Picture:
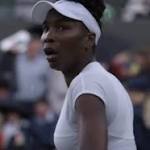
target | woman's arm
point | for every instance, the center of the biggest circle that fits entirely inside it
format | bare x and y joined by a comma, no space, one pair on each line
92,122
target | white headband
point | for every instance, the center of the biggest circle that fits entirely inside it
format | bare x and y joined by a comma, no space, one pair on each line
69,9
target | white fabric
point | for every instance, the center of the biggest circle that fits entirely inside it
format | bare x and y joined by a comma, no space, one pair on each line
96,80
69,9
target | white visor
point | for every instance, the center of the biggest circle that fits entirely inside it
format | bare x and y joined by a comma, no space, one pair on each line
69,9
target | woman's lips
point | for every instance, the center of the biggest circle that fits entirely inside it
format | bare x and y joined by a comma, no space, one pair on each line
49,51
51,54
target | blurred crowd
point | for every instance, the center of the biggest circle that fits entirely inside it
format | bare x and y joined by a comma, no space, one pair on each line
136,9
31,93
133,69
127,10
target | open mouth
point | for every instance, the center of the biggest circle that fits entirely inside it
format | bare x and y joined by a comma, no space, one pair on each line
51,57
49,51
51,54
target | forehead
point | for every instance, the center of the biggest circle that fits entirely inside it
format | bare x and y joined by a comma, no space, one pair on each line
55,18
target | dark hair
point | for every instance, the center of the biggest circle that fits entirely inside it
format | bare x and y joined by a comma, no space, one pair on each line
95,7
35,31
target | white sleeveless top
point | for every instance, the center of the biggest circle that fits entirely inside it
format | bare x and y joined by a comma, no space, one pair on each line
94,79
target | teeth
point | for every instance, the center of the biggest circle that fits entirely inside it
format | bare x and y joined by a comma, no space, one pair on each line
51,56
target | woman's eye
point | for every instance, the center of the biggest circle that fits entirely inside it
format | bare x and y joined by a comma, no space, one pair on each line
60,28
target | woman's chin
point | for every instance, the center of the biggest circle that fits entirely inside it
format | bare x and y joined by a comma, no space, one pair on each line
54,66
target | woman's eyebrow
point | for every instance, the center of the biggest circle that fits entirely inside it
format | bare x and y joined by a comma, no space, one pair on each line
60,20
65,20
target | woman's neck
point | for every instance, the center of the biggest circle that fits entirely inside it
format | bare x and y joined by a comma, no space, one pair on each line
70,75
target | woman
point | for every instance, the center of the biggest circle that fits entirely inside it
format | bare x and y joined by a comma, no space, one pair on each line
97,112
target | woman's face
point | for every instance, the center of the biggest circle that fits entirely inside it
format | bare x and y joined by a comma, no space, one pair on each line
64,41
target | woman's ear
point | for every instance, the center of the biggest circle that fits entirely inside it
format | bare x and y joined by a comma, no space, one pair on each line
90,41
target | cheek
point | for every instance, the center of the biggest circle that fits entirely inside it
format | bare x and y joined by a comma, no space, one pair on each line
73,39
71,49
72,45
70,52
67,58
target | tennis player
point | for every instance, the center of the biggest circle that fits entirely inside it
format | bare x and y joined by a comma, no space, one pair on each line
97,113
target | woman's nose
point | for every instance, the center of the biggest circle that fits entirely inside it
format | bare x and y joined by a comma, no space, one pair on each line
47,36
